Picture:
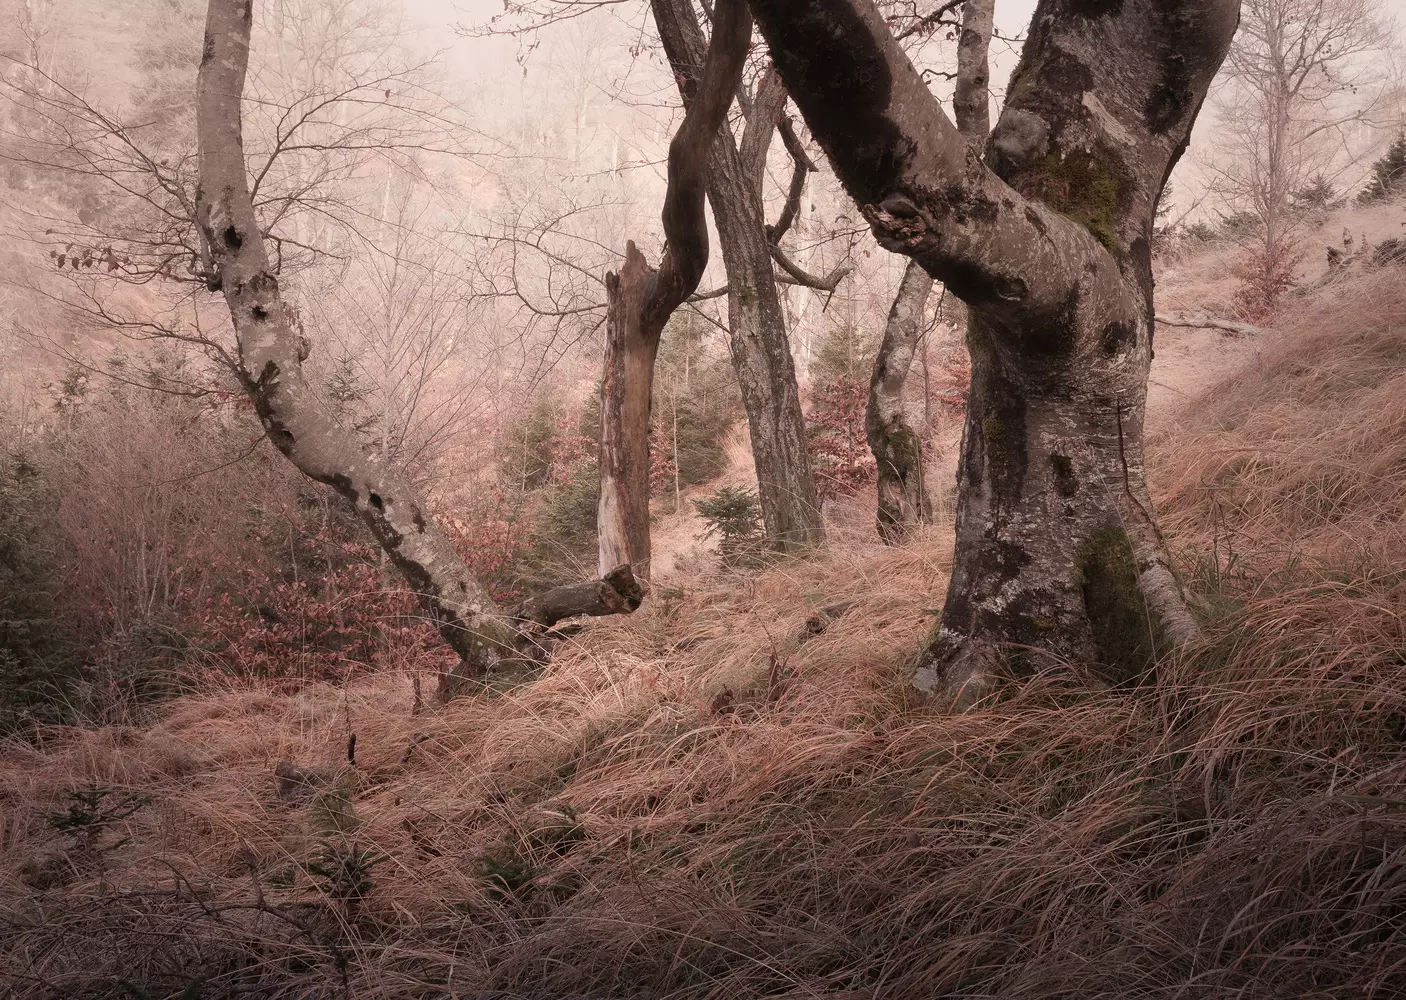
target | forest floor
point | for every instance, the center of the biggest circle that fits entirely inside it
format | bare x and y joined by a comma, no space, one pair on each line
714,798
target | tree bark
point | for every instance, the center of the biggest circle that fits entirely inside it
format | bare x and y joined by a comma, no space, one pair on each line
971,96
271,356
1049,244
640,300
897,448
761,353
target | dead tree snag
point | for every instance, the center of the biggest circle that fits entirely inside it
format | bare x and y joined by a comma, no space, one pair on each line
640,300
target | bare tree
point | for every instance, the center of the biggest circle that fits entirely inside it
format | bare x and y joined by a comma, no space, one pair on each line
271,354
898,449
1057,549
1297,80
761,353
402,321
755,258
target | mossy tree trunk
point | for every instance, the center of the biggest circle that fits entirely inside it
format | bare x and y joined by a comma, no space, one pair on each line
897,447
761,352
1048,241
903,498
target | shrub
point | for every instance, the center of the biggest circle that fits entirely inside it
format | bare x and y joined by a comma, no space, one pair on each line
1318,194
1266,272
38,663
734,516
839,451
1388,173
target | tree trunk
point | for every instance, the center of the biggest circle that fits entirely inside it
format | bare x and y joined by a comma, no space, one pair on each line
640,300
761,356
761,353
1049,244
271,356
622,520
271,353
971,96
897,448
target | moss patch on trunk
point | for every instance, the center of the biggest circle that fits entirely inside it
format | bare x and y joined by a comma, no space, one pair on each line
1127,634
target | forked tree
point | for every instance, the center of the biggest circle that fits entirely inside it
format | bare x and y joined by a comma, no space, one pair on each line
270,352
754,258
640,300
1047,238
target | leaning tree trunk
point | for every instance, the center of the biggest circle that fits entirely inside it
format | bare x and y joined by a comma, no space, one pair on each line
898,449
1049,244
640,300
761,353
271,354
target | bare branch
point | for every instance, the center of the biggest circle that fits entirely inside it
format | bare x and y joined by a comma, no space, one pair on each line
1200,321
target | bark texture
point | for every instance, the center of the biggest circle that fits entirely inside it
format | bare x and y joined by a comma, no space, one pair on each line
971,96
640,300
271,354
1048,241
760,351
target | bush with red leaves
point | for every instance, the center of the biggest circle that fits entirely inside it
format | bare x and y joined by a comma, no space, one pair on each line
839,452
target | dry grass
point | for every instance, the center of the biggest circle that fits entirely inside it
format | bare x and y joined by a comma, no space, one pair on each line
1303,454
619,827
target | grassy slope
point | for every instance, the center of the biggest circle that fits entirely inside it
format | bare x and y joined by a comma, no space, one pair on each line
618,826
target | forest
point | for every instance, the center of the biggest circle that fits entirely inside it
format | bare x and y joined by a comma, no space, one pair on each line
672,500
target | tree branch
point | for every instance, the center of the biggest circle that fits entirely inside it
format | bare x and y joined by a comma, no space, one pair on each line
803,277
803,165
762,119
905,164
1200,321
685,226
971,99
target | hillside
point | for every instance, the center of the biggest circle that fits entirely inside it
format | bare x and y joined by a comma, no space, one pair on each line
723,797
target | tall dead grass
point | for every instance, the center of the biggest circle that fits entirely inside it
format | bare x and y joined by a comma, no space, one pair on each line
692,804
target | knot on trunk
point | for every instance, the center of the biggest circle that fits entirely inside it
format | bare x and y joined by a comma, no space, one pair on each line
899,225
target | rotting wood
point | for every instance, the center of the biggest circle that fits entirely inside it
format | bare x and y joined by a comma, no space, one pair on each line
640,300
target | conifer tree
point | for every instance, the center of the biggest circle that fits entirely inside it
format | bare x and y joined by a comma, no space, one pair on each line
1388,173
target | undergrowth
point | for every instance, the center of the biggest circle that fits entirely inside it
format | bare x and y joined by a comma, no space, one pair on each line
698,802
